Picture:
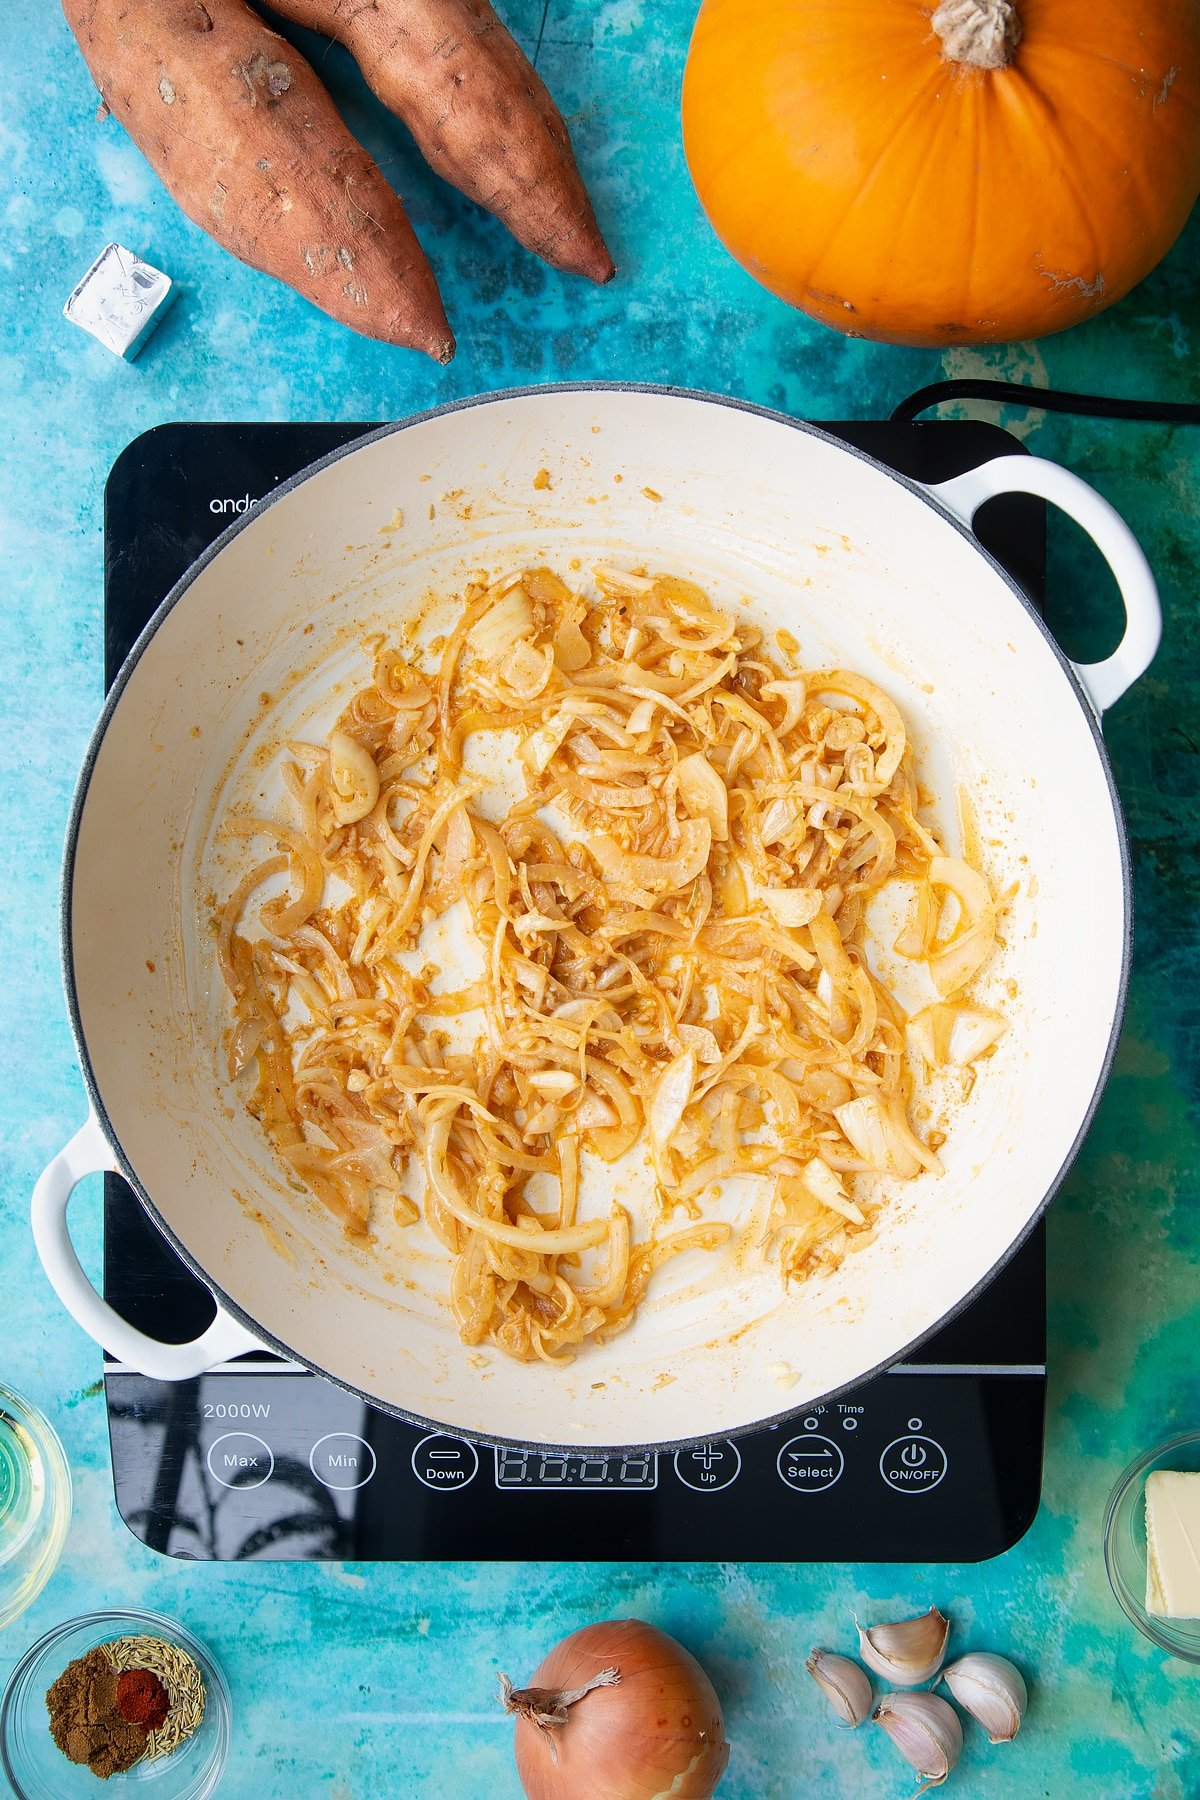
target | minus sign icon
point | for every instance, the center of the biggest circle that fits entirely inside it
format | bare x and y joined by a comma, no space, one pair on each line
443,1456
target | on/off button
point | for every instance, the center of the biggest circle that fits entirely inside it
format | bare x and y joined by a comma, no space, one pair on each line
913,1464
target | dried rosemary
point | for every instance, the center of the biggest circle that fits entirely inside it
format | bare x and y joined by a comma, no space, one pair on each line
178,1674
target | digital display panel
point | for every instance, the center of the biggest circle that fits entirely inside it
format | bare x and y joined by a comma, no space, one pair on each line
578,1470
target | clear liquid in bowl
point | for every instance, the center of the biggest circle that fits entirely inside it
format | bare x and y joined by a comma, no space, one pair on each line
22,1485
35,1503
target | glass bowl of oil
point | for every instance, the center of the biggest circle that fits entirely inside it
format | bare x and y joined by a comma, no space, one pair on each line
35,1503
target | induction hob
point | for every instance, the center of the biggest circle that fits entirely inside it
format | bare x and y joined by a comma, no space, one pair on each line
940,1459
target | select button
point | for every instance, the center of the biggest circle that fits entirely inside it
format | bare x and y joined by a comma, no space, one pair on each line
810,1464
342,1461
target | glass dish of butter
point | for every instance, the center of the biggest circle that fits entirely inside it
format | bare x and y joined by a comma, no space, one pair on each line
1152,1544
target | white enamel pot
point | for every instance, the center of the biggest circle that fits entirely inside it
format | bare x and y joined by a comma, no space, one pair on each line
865,569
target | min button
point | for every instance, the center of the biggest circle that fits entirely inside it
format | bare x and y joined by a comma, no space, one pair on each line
342,1461
240,1460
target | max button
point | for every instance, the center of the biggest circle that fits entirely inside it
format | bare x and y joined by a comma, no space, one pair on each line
445,1462
240,1460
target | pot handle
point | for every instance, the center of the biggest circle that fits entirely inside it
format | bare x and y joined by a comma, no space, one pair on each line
1102,682
89,1153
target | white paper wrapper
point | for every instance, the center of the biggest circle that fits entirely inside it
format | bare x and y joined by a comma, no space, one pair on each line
120,300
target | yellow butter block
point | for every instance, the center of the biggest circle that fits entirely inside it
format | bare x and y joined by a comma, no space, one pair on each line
1173,1544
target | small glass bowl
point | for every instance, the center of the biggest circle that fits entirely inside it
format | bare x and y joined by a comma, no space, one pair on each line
1125,1551
35,1765
35,1503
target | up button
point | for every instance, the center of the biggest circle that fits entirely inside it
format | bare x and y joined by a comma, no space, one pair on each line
915,1463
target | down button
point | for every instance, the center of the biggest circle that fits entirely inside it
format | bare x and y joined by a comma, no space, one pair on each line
445,1462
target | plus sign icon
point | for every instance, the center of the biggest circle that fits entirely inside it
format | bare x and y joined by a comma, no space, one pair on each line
706,1468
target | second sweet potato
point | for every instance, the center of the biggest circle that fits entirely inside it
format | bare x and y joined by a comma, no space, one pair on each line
479,111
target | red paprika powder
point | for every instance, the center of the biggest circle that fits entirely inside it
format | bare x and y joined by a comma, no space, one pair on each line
142,1698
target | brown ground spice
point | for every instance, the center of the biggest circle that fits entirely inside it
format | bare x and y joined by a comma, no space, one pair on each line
85,1722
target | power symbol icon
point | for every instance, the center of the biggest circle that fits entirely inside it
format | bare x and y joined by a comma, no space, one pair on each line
915,1464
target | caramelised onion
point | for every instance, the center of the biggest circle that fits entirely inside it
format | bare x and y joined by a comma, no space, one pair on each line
669,1100
672,940
704,794
618,1711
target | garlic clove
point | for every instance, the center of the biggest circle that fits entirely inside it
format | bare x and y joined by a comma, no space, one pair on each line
354,778
907,1652
992,1690
925,1730
843,1684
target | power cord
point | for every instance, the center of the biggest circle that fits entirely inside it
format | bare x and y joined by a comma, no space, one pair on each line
1015,393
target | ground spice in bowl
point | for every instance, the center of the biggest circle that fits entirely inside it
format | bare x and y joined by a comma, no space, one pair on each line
128,1701
85,1722
142,1698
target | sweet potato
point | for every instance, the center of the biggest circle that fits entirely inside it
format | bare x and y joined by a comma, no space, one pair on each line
479,112
251,146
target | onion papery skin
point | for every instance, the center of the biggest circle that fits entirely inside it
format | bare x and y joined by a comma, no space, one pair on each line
659,1732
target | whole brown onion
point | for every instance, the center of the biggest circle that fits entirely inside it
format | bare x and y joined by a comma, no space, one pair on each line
618,1711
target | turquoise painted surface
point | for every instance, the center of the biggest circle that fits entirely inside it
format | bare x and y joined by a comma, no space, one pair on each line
363,1681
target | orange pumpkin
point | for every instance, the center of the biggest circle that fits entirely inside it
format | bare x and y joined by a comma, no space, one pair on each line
991,170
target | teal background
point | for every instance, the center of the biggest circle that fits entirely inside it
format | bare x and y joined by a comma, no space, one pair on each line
361,1681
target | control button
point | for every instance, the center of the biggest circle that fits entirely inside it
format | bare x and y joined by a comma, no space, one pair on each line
341,1460
810,1463
240,1460
915,1463
709,1467
445,1462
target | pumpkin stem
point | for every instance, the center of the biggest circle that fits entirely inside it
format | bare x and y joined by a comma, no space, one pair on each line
981,33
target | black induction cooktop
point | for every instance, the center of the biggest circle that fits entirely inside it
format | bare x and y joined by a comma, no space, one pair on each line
940,1459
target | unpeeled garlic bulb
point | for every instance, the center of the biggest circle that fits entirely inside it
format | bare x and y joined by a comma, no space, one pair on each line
843,1684
992,1690
925,1730
908,1652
